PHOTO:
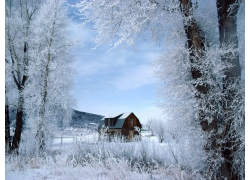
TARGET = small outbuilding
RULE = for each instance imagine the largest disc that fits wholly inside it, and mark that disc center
(121, 125)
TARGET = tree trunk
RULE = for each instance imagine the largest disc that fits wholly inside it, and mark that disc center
(40, 135)
(228, 34)
(227, 18)
(19, 122)
(7, 126)
(196, 46)
(19, 62)
(19, 115)
(195, 42)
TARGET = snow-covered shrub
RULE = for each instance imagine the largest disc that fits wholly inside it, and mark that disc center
(59, 167)
(102, 133)
(14, 162)
(29, 145)
(141, 153)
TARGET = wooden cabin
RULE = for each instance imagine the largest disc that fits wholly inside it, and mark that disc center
(120, 124)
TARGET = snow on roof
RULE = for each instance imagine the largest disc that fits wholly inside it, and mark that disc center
(113, 115)
(125, 115)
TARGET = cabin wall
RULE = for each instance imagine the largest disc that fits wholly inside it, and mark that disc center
(127, 129)
(115, 131)
(136, 122)
(110, 121)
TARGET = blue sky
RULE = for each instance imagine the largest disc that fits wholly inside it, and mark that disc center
(120, 80)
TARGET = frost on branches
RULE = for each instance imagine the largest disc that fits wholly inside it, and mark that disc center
(18, 30)
(201, 72)
(37, 52)
(51, 74)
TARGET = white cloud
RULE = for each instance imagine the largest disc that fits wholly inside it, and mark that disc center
(94, 63)
(134, 77)
(123, 69)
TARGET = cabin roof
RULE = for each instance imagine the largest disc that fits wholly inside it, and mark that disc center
(120, 121)
(125, 115)
(112, 115)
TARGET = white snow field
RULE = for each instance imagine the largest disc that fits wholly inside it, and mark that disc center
(78, 155)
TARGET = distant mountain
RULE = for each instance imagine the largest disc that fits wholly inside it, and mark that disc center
(85, 120)
(79, 119)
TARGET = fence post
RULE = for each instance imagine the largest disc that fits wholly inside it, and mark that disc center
(61, 138)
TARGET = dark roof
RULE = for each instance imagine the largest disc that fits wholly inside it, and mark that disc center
(119, 123)
(101, 123)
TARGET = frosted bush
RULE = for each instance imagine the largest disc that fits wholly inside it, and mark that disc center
(59, 167)
(141, 154)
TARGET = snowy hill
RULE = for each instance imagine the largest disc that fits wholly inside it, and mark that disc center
(84, 119)
(79, 119)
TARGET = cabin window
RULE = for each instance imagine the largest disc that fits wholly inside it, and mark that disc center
(109, 122)
(131, 122)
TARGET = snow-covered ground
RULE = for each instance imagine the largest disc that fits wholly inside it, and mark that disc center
(77, 154)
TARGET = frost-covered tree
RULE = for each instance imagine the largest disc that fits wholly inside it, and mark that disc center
(200, 70)
(11, 99)
(19, 16)
(215, 91)
(149, 126)
(159, 129)
(38, 44)
(49, 90)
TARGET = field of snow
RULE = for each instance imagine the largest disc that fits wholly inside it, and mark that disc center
(77, 154)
